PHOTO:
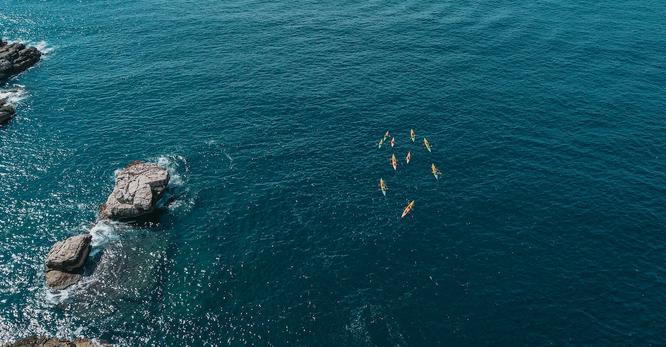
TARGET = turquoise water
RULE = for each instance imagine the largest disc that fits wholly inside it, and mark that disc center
(546, 119)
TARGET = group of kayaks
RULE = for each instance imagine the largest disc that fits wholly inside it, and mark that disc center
(394, 163)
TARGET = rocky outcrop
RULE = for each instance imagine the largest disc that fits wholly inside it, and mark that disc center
(65, 261)
(15, 58)
(138, 188)
(7, 111)
(37, 341)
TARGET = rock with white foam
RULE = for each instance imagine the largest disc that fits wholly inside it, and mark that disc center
(15, 58)
(138, 188)
(7, 111)
(65, 261)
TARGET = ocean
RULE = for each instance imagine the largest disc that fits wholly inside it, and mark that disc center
(546, 118)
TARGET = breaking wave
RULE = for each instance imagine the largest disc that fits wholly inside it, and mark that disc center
(177, 197)
(14, 95)
(41, 46)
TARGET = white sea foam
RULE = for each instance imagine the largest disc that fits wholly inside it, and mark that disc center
(103, 233)
(57, 297)
(178, 198)
(41, 46)
(14, 95)
(175, 164)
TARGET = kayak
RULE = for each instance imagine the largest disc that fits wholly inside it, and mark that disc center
(381, 142)
(392, 141)
(409, 156)
(394, 162)
(382, 186)
(435, 171)
(386, 135)
(427, 144)
(412, 135)
(407, 209)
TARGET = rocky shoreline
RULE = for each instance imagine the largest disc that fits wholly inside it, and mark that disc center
(38, 341)
(14, 58)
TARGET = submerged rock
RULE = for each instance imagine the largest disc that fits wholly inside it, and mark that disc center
(138, 188)
(65, 261)
(16, 58)
(37, 341)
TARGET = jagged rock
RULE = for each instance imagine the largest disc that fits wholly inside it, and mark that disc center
(16, 58)
(65, 261)
(138, 188)
(70, 254)
(38, 341)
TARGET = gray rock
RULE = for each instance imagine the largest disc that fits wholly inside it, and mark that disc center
(70, 254)
(138, 188)
(16, 58)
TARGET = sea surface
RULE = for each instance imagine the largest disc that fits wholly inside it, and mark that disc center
(547, 120)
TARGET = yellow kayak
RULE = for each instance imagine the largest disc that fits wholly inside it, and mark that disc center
(394, 162)
(427, 144)
(412, 135)
(382, 186)
(435, 171)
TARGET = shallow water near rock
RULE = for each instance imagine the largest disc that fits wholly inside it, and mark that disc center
(546, 120)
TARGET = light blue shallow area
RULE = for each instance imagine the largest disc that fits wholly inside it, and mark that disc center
(547, 119)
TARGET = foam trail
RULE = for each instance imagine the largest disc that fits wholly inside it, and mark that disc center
(231, 160)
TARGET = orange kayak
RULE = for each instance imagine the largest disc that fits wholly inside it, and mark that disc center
(407, 209)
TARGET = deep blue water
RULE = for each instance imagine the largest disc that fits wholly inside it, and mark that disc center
(547, 119)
